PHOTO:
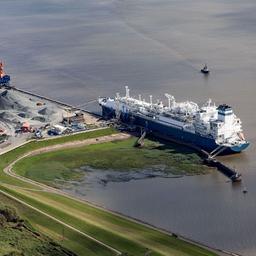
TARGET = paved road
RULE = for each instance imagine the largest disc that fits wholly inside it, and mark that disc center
(24, 138)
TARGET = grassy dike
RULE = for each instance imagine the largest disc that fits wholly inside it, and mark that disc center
(18, 236)
(125, 235)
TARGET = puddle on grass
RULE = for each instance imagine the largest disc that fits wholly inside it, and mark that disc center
(100, 178)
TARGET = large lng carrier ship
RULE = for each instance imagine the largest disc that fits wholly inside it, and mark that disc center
(211, 128)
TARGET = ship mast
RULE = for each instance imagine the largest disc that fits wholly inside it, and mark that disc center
(118, 112)
(127, 92)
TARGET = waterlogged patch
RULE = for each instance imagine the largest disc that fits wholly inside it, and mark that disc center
(103, 177)
(100, 178)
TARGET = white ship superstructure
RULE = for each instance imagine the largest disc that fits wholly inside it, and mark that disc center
(207, 126)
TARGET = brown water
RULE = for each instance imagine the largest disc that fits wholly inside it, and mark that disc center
(78, 50)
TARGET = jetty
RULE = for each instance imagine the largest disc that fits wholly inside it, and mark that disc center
(208, 158)
(231, 173)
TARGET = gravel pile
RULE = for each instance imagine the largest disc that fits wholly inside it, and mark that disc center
(17, 108)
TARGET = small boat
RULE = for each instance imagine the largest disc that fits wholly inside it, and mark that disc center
(245, 190)
(205, 70)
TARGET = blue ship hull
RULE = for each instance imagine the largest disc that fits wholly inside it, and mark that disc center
(168, 132)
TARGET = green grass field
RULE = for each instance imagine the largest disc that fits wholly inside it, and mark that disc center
(118, 155)
(124, 235)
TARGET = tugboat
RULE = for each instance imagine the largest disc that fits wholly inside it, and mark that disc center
(245, 190)
(205, 70)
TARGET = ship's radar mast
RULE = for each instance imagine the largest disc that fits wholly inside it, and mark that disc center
(127, 92)
(151, 100)
(209, 103)
(118, 112)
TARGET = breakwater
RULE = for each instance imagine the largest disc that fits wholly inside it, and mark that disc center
(64, 104)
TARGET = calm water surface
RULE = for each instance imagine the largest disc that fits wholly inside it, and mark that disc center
(78, 50)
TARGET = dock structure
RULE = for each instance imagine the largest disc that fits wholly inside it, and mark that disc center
(231, 173)
(82, 114)
(64, 104)
(140, 141)
(217, 151)
(209, 158)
